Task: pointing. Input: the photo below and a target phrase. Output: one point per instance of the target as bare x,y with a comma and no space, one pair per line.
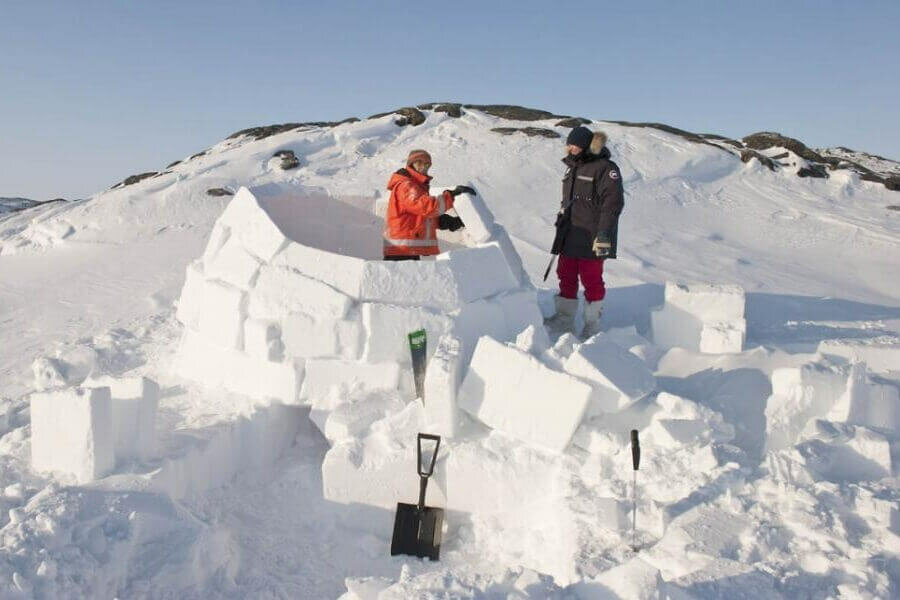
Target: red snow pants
591,272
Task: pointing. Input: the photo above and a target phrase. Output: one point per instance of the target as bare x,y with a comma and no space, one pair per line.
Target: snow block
343,273
305,336
708,302
262,340
252,227
476,319
533,340
191,299
618,376
134,402
388,326
520,311
234,265
222,311
501,237
723,337
201,360
635,579
442,380
798,395
881,355
328,376
429,283
478,218
353,418
480,272
846,453
280,291
513,392
72,432
875,405
217,239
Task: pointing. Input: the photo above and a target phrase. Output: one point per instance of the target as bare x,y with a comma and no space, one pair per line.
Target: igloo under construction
291,301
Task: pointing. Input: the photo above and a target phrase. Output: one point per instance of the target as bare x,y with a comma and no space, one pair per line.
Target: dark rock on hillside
452,109
132,179
219,192
408,116
288,159
892,183
893,207
514,113
689,136
529,131
813,170
270,130
767,139
172,164
198,155
748,155
573,122
721,138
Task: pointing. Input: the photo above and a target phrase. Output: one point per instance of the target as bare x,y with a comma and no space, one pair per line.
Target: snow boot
564,319
592,313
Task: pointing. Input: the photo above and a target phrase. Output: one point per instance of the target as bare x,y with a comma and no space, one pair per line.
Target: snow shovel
417,344
417,528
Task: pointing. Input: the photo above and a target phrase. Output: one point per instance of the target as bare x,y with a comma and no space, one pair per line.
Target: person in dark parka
587,225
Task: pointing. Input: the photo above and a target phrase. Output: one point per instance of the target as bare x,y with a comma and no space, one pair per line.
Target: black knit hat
580,136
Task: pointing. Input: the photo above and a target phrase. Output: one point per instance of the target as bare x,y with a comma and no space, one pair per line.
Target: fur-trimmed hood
598,142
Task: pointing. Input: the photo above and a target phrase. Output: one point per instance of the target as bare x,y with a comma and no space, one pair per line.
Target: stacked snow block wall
84,432
269,317
704,318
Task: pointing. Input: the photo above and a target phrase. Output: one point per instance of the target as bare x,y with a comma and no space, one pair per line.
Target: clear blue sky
91,92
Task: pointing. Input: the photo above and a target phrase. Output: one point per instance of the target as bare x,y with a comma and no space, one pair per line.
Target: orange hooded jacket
410,227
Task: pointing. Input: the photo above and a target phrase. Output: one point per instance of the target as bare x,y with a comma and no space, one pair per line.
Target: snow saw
417,350
418,528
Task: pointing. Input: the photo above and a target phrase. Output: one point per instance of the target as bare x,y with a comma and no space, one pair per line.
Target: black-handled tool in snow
417,351
635,462
418,528
549,266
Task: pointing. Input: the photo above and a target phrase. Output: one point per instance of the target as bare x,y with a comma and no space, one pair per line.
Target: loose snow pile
254,441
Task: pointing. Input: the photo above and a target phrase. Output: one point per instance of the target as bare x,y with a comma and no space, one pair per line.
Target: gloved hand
602,246
462,189
446,222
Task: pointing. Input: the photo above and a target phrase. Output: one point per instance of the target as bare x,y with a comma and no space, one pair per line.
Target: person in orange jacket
413,216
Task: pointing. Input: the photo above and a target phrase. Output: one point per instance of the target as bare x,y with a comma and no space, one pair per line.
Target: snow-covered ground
767,473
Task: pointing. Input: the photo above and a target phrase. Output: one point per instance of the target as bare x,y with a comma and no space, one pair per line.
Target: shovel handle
635,450
426,473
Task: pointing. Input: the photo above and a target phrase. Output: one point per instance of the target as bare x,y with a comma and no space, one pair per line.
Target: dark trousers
410,257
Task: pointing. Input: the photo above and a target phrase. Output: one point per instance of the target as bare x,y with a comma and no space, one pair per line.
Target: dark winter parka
592,200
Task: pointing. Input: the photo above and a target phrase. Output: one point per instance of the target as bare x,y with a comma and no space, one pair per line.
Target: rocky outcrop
813,170
514,113
260,133
452,109
132,179
747,155
217,192
573,122
407,116
769,139
689,136
172,164
288,159
529,131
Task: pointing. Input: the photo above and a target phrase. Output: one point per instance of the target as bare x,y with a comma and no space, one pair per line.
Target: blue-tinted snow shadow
801,322
631,305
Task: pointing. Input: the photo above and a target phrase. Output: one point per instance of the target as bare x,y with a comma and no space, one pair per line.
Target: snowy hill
91,287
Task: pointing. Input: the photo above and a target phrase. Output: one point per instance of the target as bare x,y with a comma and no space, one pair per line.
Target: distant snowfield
94,281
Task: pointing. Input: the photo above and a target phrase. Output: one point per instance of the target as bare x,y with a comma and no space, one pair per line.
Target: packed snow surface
751,334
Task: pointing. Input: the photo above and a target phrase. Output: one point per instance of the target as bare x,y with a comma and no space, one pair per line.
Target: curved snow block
234,265
324,377
133,406
343,273
72,433
881,355
442,380
388,326
513,392
618,376
190,301
305,336
252,227
480,272
478,219
428,283
706,301
215,366
280,291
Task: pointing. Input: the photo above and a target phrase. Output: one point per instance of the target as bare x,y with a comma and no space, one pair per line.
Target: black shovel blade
417,533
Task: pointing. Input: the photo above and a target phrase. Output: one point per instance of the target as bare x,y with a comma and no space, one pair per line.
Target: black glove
450,223
461,189
602,246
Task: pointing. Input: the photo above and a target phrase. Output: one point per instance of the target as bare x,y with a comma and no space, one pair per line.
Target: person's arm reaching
423,205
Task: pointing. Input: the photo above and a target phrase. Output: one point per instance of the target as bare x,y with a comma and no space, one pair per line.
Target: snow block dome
291,301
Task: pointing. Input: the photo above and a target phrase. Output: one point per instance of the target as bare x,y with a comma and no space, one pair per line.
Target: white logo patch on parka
613,174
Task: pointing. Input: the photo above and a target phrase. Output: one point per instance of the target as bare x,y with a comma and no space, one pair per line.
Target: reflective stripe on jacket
410,225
